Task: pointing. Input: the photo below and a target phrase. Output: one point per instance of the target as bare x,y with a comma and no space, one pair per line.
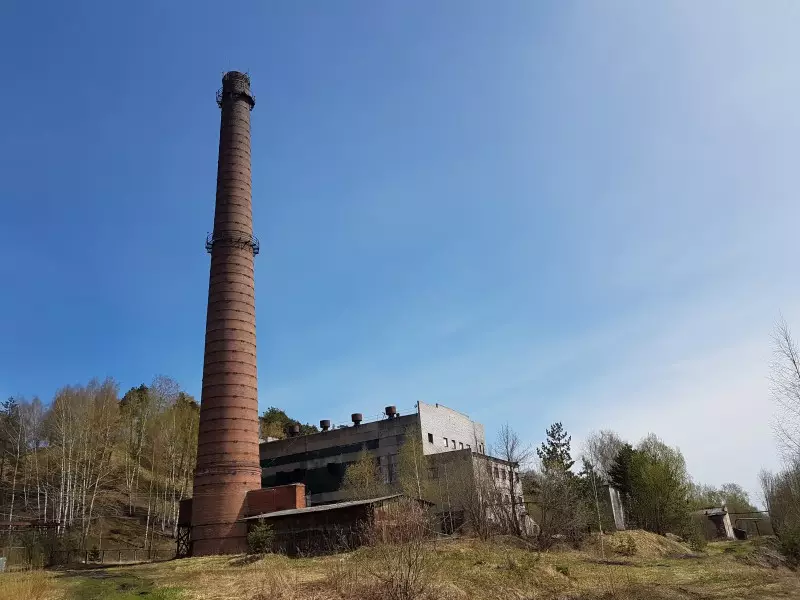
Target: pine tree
619,475
555,451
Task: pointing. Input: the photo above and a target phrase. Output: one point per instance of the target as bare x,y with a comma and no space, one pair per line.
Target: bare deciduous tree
600,450
518,455
785,380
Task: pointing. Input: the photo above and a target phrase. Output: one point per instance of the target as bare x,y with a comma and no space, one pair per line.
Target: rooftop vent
357,418
324,424
391,412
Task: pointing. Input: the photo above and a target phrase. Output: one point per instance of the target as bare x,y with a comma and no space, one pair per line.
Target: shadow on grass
243,561
100,584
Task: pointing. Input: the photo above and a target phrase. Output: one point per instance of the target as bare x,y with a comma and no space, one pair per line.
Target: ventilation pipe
391,412
357,418
324,424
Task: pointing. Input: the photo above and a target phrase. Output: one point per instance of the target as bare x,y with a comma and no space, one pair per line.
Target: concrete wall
319,460
439,423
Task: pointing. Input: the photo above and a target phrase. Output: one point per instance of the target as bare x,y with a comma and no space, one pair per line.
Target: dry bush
400,557
281,585
345,577
27,585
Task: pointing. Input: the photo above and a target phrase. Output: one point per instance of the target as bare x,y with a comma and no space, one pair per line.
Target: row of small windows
452,444
501,473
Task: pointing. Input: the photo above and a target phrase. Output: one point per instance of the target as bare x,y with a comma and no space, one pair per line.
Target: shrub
625,545
789,545
695,537
94,554
260,538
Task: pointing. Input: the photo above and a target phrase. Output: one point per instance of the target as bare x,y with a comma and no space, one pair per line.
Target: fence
22,556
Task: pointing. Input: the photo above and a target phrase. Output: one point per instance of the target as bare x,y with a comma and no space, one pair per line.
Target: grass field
458,569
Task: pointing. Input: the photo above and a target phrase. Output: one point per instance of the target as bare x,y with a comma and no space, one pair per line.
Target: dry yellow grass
648,545
473,570
29,585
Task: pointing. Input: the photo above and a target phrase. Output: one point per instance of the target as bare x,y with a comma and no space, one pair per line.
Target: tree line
565,499
781,489
90,453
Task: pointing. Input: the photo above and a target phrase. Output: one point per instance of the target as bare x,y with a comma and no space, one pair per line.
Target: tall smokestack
227,446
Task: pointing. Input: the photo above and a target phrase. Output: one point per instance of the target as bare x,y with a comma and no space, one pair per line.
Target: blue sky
528,211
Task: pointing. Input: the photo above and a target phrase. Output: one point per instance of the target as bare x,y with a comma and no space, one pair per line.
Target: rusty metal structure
227,449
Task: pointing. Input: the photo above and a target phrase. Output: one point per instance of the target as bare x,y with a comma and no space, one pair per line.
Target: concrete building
319,460
444,430
454,443
718,523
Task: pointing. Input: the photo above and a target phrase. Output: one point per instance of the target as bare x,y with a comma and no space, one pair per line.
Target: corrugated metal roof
321,508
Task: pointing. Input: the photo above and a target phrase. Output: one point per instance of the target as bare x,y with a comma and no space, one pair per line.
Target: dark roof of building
712,511
321,507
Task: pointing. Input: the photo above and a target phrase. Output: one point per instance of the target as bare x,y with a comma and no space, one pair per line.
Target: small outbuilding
330,528
718,524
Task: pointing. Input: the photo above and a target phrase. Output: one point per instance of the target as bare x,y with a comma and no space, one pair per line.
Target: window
469,447
460,445
445,443
430,438
454,444
496,473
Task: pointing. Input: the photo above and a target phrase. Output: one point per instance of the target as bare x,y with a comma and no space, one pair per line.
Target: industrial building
450,439
319,460
329,528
